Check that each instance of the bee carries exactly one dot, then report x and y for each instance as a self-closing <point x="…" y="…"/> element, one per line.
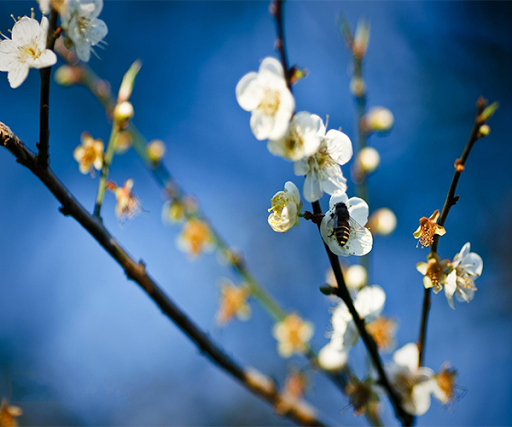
<point x="343" y="224"/>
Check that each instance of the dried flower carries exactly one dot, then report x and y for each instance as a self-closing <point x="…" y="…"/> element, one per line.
<point x="434" y="272"/>
<point x="293" y="335"/>
<point x="428" y="229"/>
<point x="128" y="205"/>
<point x="233" y="302"/>
<point x="89" y="155"/>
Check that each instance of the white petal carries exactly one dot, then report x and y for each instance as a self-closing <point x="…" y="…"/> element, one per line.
<point x="8" y="54"/>
<point x="473" y="264"/>
<point x="261" y="125"/>
<point x="339" y="146"/>
<point x="96" y="32"/>
<point x="369" y="302"/>
<point x="407" y="356"/>
<point x="292" y="190"/>
<point x="83" y="50"/>
<point x="358" y="209"/>
<point x="421" y="397"/>
<point x="359" y="243"/>
<point x="271" y="66"/>
<point x="248" y="92"/>
<point x="337" y="198"/>
<point x="465" y="250"/>
<point x="17" y="74"/>
<point x="47" y="59"/>
<point x="301" y="167"/>
<point x="25" y="30"/>
<point x="334" y="181"/>
<point x="450" y="286"/>
<point x="331" y="359"/>
<point x="312" y="191"/>
<point x="281" y="123"/>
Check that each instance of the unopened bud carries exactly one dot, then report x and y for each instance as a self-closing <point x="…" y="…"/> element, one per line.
<point x="378" y="119"/>
<point x="125" y="91"/>
<point x="357" y="87"/>
<point x="173" y="212"/>
<point x="382" y="221"/>
<point x="326" y="290"/>
<point x="355" y="276"/>
<point x="123" y="141"/>
<point x="488" y="112"/>
<point x="155" y="150"/>
<point x="123" y="112"/>
<point x="484" y="131"/>
<point x="368" y="160"/>
<point x="361" y="38"/>
<point x="67" y="75"/>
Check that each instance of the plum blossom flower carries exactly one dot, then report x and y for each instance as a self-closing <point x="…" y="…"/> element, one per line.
<point x="360" y="239"/>
<point x="80" y="20"/>
<point x="322" y="169"/>
<point x="444" y="385"/>
<point x="428" y="229"/>
<point x="434" y="272"/>
<point x="267" y="96"/>
<point x="128" y="205"/>
<point x="8" y="414"/>
<point x="382" y="331"/>
<point x="286" y="206"/>
<point x="195" y="238"/>
<point x="330" y="358"/>
<point x="89" y="155"/>
<point x="233" y="302"/>
<point x="302" y="138"/>
<point x="413" y="384"/>
<point x="26" y="49"/>
<point x="466" y="268"/>
<point x="293" y="335"/>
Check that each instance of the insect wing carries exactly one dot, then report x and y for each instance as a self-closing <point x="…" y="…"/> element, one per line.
<point x="356" y="229"/>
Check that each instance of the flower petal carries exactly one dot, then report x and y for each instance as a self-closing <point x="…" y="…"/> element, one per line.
<point x="17" y="74"/>
<point x="47" y="59"/>
<point x="25" y="30"/>
<point x="331" y="359"/>
<point x="450" y="286"/>
<point x="358" y="209"/>
<point x="407" y="356"/>
<point x="473" y="264"/>
<point x="248" y="92"/>
<point x="337" y="198"/>
<point x="370" y="302"/>
<point x="97" y="31"/>
<point x="261" y="125"/>
<point x="339" y="146"/>
<point x="271" y="66"/>
<point x="312" y="190"/>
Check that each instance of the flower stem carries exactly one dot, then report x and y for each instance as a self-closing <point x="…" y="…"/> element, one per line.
<point x="451" y="199"/>
<point x="106" y="166"/>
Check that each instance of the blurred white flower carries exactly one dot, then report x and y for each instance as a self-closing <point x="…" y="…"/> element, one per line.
<point x="286" y="207"/>
<point x="378" y="119"/>
<point x="368" y="160"/>
<point x="360" y="239"/>
<point x="26" y="49"/>
<point x="332" y="359"/>
<point x="80" y="20"/>
<point x="267" y="96"/>
<point x="322" y="169"/>
<point x="293" y="335"/>
<point x="444" y="385"/>
<point x="467" y="267"/>
<point x="302" y="138"/>
<point x="414" y="385"/>
<point x="382" y="221"/>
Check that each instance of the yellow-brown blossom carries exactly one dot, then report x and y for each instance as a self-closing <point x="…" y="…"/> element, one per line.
<point x="382" y="331"/>
<point x="233" y="302"/>
<point x="195" y="238"/>
<point x="292" y="393"/>
<point x="128" y="205"/>
<point x="293" y="335"/>
<point x="428" y="229"/>
<point x="445" y="381"/>
<point x="89" y="155"/>
<point x="434" y="272"/>
<point x="8" y="414"/>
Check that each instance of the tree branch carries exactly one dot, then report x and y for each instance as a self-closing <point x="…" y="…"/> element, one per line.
<point x="44" y="104"/>
<point x="255" y="382"/>
<point x="451" y="199"/>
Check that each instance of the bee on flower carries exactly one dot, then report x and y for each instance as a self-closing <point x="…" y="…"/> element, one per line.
<point x="434" y="272"/>
<point x="293" y="335"/>
<point x="266" y="95"/>
<point x="466" y="268"/>
<point x="89" y="155"/>
<point x="128" y="205"/>
<point x="428" y="229"/>
<point x="322" y="169"/>
<point x="8" y="414"/>
<point x="357" y="240"/>
<point x="195" y="238"/>
<point x="302" y="138"/>
<point x="286" y="206"/>
<point x="82" y="26"/>
<point x="233" y="302"/>
<point x="26" y="49"/>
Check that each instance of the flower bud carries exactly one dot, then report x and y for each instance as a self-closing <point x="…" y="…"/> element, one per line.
<point x="484" y="131"/>
<point x="67" y="75"/>
<point x="378" y="119"/>
<point x="173" y="212"/>
<point x="382" y="221"/>
<point x="361" y="38"/>
<point x="155" y="150"/>
<point x="355" y="276"/>
<point x="123" y="112"/>
<point x="124" y="141"/>
<point x="125" y="91"/>
<point x="368" y="160"/>
<point x="357" y="87"/>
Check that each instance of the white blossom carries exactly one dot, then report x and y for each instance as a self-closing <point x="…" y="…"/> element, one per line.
<point x="467" y="267"/>
<point x="80" y="20"/>
<point x="266" y="94"/>
<point x="413" y="384"/>
<point x="26" y="49"/>
<point x="302" y="138"/>
<point x="360" y="239"/>
<point x="286" y="207"/>
<point x="322" y="169"/>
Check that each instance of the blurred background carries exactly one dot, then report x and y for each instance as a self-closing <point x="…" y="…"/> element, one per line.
<point x="80" y="345"/>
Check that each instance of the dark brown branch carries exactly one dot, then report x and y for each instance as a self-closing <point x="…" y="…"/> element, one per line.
<point x="341" y="291"/>
<point x="136" y="271"/>
<point x="451" y="199"/>
<point x="44" y="105"/>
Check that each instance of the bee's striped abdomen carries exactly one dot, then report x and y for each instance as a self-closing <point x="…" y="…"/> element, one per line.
<point x="342" y="232"/>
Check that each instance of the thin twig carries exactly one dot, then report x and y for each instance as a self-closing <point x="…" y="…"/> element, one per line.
<point x="136" y="271"/>
<point x="44" y="104"/>
<point x="341" y="291"/>
<point x="451" y="199"/>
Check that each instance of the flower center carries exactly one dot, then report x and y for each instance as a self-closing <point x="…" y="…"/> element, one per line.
<point x="446" y="382"/>
<point x="428" y="231"/>
<point x="196" y="233"/>
<point x="82" y="24"/>
<point x="435" y="271"/>
<point x="404" y="383"/>
<point x="464" y="280"/>
<point x="89" y="156"/>
<point x="31" y="50"/>
<point x="294" y="141"/>
<point x="270" y="102"/>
